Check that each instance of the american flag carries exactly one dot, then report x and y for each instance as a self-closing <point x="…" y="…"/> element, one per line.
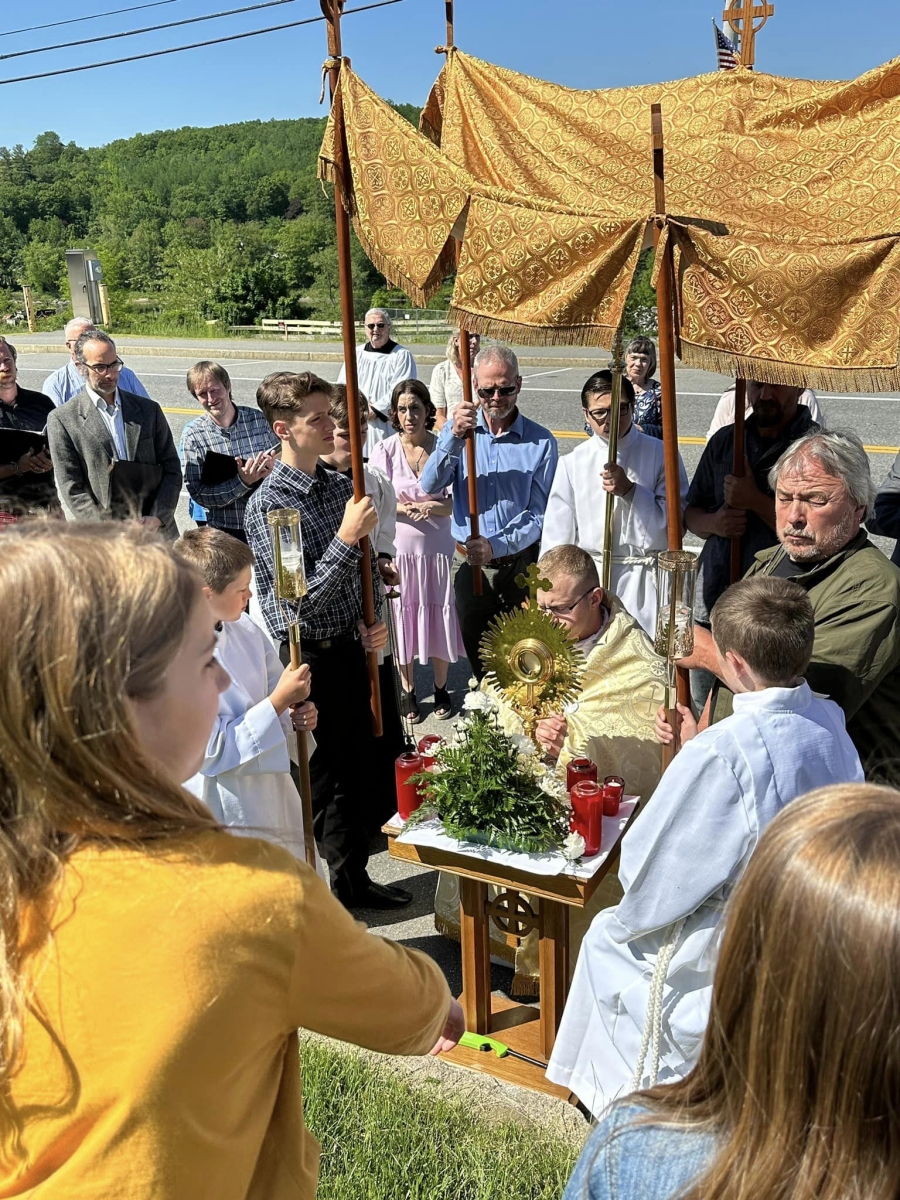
<point x="728" y="57"/>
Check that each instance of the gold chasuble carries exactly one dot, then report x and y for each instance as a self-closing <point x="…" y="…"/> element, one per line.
<point x="611" y="723"/>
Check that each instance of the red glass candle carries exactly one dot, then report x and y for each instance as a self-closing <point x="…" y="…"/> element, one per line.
<point x="408" y="798"/>
<point x="578" y="769"/>
<point x="427" y="746"/>
<point x="613" y="791"/>
<point x="587" y="807"/>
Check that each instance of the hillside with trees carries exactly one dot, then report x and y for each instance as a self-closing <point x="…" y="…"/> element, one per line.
<point x="227" y="224"/>
<point x="196" y="229"/>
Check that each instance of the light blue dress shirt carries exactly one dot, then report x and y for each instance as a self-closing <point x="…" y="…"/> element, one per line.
<point x="515" y="473"/>
<point x="113" y="421"/>
<point x="68" y="381"/>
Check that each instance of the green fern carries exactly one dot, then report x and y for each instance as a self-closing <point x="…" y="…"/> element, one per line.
<point x="482" y="792"/>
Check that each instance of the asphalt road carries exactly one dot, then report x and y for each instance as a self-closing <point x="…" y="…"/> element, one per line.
<point x="551" y="395"/>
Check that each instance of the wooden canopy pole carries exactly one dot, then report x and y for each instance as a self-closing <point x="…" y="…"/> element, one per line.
<point x="666" y="324"/>
<point x="332" y="9"/>
<point x="737" y="466"/>
<point x="465" y="362"/>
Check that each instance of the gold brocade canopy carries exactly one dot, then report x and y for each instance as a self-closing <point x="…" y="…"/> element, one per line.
<point x="783" y="199"/>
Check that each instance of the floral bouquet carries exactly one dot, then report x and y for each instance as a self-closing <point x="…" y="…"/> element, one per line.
<point x="492" y="787"/>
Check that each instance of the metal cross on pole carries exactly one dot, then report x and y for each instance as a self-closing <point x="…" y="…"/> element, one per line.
<point x="741" y="16"/>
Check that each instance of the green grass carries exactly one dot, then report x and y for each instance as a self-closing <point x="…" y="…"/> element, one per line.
<point x="383" y="1140"/>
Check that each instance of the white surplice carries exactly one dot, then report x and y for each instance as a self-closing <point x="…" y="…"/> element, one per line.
<point x="680" y="861"/>
<point x="245" y="780"/>
<point x="378" y="373"/>
<point x="576" y="513"/>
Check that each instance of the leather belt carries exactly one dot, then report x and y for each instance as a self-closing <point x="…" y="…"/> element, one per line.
<point x="340" y="639"/>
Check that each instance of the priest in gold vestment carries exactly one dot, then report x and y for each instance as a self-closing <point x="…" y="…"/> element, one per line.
<point x="611" y="722"/>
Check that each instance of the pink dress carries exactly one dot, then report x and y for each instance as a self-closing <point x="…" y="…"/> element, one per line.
<point x="427" y="626"/>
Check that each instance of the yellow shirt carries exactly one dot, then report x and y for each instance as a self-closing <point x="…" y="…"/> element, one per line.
<point x="164" y="1063"/>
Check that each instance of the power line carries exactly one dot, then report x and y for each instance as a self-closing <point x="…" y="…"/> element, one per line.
<point x="93" y="17"/>
<point x="234" y="37"/>
<point x="109" y="37"/>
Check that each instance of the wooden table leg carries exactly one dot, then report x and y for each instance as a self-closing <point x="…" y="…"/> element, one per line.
<point x="475" y="943"/>
<point x="554" y="968"/>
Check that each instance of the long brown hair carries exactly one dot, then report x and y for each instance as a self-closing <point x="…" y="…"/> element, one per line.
<point x="799" y="1074"/>
<point x="90" y="616"/>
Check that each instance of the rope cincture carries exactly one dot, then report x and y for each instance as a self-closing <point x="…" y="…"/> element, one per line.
<point x="653" y="1020"/>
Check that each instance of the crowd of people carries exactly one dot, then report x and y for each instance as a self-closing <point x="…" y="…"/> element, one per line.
<point x="149" y="701"/>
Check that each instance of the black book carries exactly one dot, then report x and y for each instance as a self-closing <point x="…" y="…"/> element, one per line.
<point x="217" y="468"/>
<point x="133" y="487"/>
<point x="16" y="442"/>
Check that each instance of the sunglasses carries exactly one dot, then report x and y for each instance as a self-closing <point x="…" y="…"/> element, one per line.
<point x="487" y="393"/>
<point x="380" y="325"/>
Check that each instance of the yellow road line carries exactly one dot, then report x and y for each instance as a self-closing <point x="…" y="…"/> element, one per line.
<point x="699" y="441"/>
<point x="574" y="433"/>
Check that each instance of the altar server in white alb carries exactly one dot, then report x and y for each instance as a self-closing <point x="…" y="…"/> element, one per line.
<point x="245" y="777"/>
<point x="380" y="365"/>
<point x="576" y="508"/>
<point x="640" y="997"/>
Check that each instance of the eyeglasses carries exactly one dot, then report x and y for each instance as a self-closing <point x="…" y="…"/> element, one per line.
<point x="602" y="414"/>
<point x="379" y="325"/>
<point x="563" y="610"/>
<point x="487" y="393"/>
<point x="102" y="368"/>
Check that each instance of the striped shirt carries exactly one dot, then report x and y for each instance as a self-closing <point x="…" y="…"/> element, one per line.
<point x="249" y="434"/>
<point x="333" y="603"/>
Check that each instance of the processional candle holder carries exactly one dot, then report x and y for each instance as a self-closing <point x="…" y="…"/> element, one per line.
<point x="676" y="583"/>
<point x="290" y="588"/>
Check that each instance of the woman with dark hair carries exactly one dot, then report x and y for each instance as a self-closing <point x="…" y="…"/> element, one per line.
<point x="795" y="1092"/>
<point x="576" y="509"/>
<point x="428" y="626"/>
<point x="640" y="363"/>
<point x="154" y="969"/>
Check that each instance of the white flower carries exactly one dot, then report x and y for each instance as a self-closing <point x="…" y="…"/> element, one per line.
<point x="524" y="746"/>
<point x="476" y="702"/>
<point x="473" y="684"/>
<point x="553" y="786"/>
<point x="573" y="846"/>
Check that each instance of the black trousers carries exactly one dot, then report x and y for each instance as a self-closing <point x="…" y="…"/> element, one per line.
<point x="343" y="764"/>
<point x="499" y="594"/>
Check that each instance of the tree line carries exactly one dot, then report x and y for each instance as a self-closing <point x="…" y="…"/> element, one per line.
<point x="223" y="225"/>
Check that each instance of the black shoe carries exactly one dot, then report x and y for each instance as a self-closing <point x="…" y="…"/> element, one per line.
<point x="377" y="895"/>
<point x="410" y="707"/>
<point x="443" y="705"/>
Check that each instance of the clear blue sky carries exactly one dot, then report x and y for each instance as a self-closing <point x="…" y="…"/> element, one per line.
<point x="582" y="43"/>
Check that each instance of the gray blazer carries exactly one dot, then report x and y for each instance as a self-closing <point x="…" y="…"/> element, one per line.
<point x="83" y="454"/>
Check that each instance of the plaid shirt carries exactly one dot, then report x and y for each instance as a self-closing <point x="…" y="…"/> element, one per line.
<point x="224" y="502"/>
<point x="333" y="603"/>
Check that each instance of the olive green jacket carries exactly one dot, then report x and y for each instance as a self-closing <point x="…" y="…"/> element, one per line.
<point x="855" y="595"/>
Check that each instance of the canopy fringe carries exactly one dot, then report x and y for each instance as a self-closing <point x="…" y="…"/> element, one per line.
<point x="767" y="370"/>
<point x="601" y="336"/>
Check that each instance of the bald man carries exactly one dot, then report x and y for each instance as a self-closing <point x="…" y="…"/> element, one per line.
<point x="68" y="381"/>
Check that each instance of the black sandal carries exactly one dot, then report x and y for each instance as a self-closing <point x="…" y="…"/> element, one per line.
<point x="443" y="705"/>
<point x="411" y="708"/>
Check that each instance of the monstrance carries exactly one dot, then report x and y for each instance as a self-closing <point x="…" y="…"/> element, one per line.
<point x="290" y="588"/>
<point x="530" y="658"/>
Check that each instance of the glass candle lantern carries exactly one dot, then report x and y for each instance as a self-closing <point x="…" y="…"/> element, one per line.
<point x="287" y="552"/>
<point x="578" y="769"/>
<point x="587" y="814"/>
<point x="408" y="798"/>
<point x="613" y="791"/>
<point x="676" y="581"/>
<point x="427" y="746"/>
